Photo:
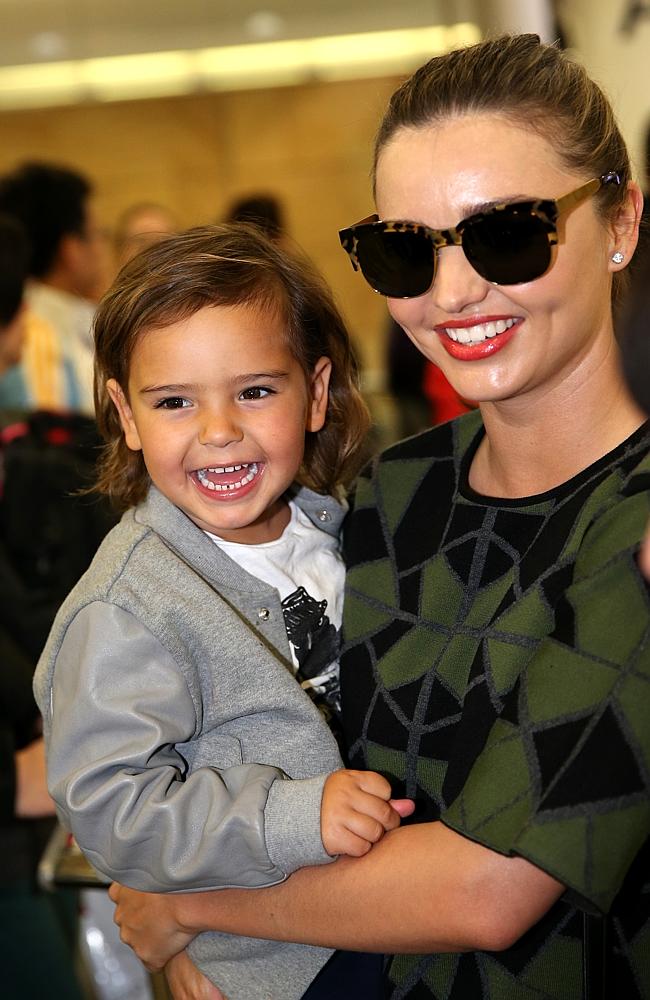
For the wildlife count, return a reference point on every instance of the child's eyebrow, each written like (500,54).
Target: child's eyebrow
(178,388)
(259,376)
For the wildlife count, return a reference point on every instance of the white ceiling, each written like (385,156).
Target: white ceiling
(47,30)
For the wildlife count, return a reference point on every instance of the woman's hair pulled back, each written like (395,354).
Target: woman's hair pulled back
(226,265)
(528,83)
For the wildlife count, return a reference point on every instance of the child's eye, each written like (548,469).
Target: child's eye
(172,403)
(255,392)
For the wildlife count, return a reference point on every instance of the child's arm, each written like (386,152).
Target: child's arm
(357,810)
(121,724)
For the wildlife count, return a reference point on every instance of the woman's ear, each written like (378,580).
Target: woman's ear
(319,386)
(624,230)
(125,414)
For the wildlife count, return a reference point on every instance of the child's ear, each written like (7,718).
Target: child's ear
(319,385)
(624,232)
(121,403)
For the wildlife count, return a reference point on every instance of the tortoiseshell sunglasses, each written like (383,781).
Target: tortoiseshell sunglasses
(507,244)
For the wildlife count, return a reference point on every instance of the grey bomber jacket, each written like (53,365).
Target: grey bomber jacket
(173,722)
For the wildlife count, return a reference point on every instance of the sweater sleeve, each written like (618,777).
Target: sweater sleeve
(122,722)
(563,777)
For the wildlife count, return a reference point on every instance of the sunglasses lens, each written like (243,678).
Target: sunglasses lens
(397,264)
(508,246)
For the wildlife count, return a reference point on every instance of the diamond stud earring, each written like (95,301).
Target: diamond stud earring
(618,257)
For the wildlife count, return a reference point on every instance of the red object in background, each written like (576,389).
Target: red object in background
(59,435)
(444,401)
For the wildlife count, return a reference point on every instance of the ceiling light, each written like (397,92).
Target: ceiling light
(232,67)
(48,45)
(264,25)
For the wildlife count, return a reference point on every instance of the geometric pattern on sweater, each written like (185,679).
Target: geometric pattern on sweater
(496,668)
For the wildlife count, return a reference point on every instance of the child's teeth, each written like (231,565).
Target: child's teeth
(202,476)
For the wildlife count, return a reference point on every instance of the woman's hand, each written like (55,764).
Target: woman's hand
(148,924)
(187,983)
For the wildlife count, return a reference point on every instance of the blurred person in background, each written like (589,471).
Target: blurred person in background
(263,210)
(140,226)
(47,429)
(35,924)
(67,268)
(14,256)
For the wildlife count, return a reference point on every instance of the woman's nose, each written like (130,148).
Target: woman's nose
(456,284)
(219,427)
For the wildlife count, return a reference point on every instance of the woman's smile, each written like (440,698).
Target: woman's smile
(473,339)
(496,343)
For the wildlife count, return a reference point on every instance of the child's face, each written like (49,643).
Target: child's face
(219,407)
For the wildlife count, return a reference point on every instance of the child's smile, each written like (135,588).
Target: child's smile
(229,479)
(219,407)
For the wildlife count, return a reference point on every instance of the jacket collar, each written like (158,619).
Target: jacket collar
(193,546)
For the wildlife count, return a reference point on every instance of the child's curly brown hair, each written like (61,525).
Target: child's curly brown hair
(226,265)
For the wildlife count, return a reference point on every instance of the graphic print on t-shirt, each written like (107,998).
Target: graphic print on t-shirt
(315,642)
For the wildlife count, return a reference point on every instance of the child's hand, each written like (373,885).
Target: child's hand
(357,810)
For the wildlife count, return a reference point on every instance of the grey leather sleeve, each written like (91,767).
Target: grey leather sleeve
(120,706)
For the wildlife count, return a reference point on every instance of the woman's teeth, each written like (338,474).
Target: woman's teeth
(482,331)
(203,476)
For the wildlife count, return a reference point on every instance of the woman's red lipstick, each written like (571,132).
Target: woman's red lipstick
(484,348)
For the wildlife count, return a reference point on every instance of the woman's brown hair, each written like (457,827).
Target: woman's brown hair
(534,85)
(227,265)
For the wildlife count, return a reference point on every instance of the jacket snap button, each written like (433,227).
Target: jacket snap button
(324,515)
(264,614)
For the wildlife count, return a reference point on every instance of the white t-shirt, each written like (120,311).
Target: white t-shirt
(306,568)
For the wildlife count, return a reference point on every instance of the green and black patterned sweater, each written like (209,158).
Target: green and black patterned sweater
(497,669)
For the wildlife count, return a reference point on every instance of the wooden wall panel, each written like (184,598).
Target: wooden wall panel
(311,145)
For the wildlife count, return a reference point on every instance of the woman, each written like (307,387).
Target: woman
(497,666)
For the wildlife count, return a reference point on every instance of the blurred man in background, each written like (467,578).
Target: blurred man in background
(66,266)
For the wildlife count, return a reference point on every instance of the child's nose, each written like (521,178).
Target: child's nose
(219,428)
